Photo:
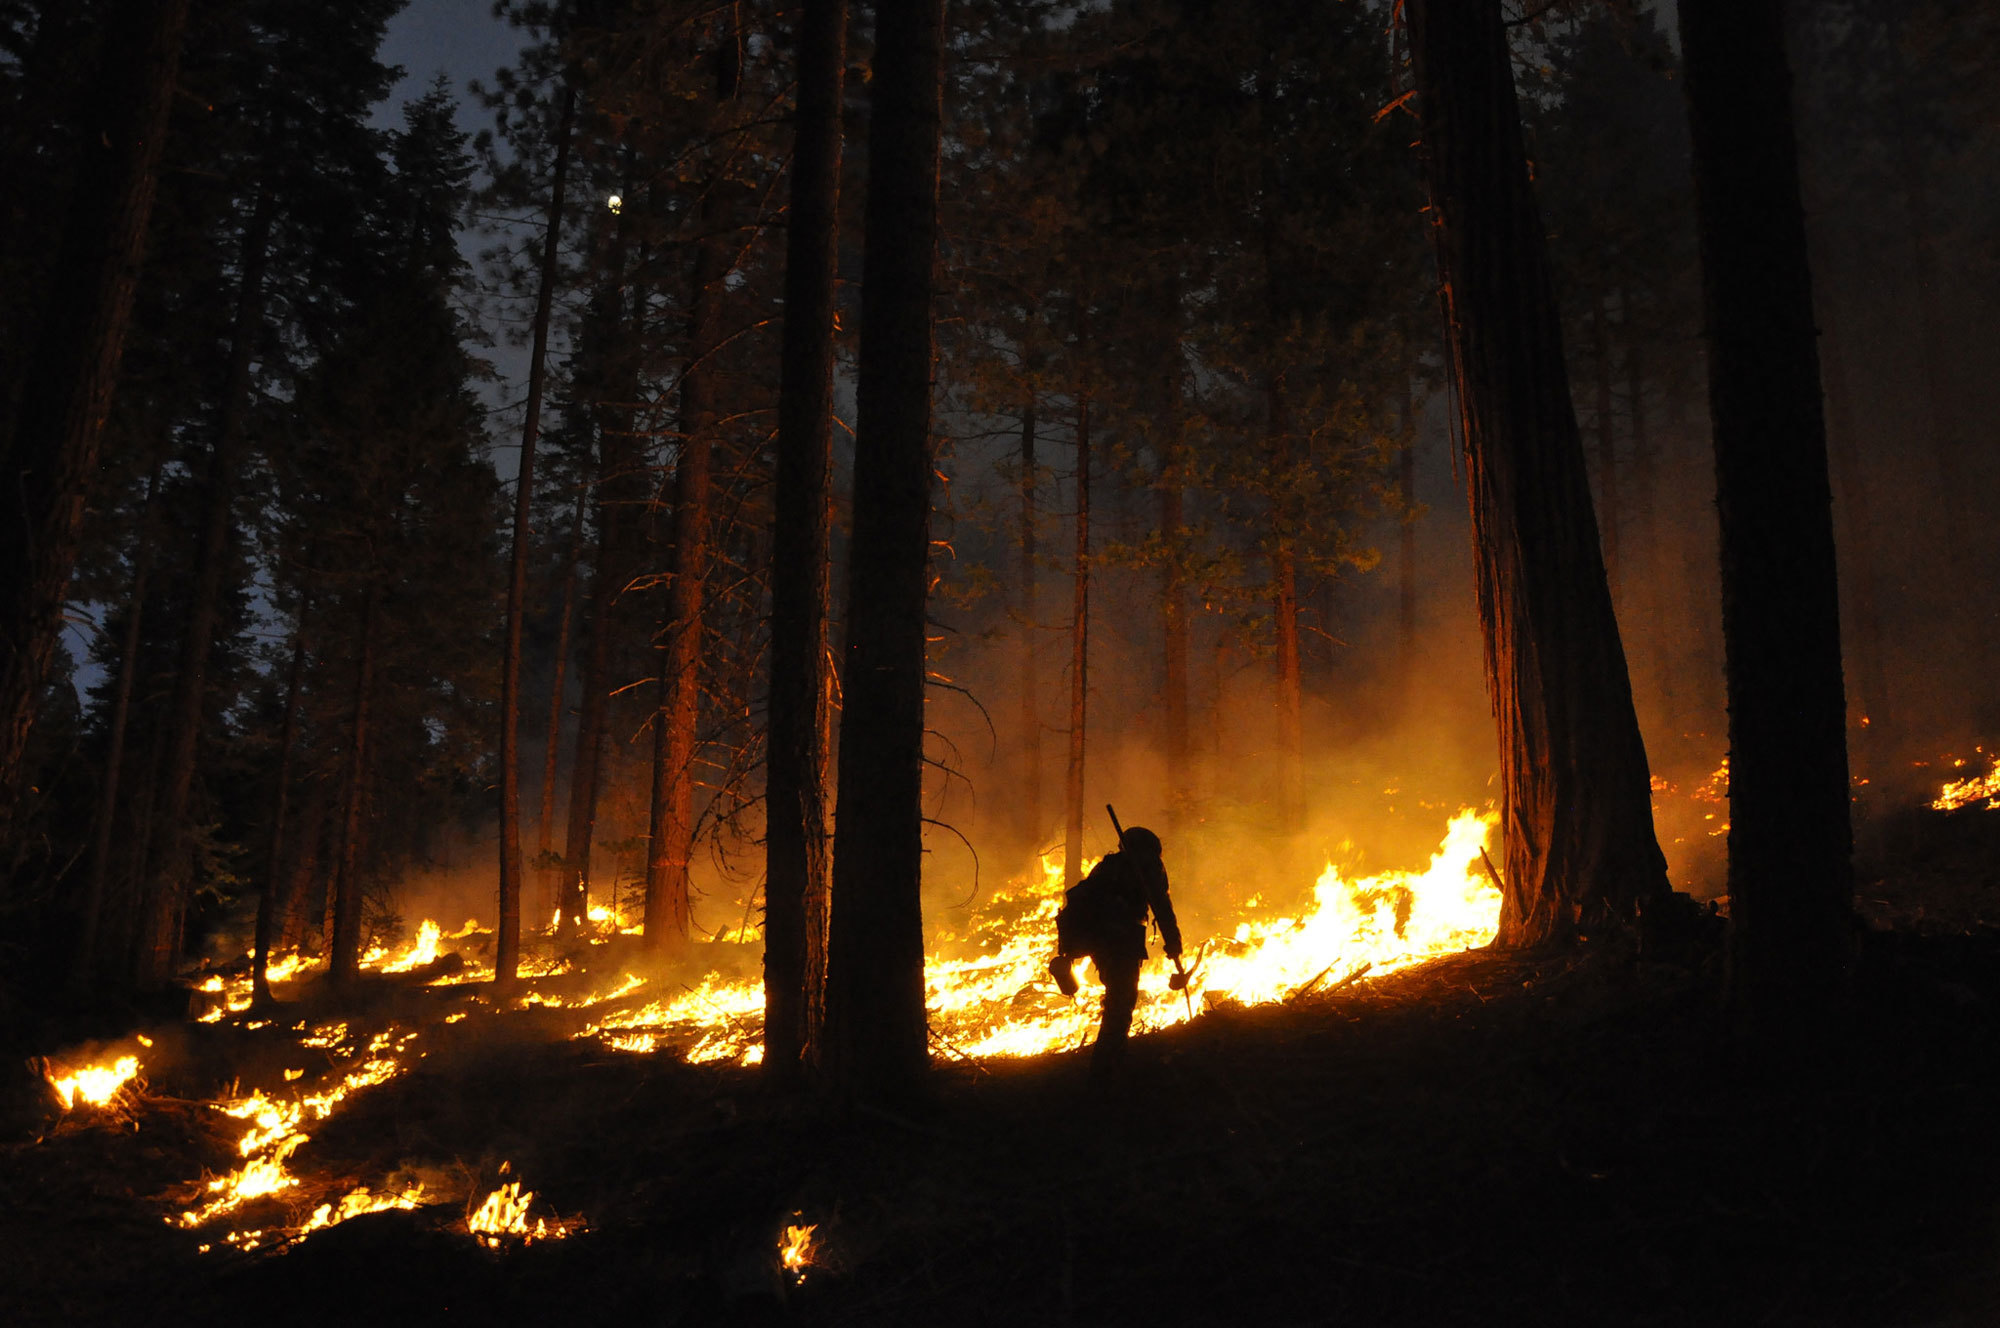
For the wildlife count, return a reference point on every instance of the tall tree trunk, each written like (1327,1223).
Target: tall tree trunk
(876,1035)
(345,961)
(1579,847)
(671,840)
(507,943)
(545,823)
(795,859)
(50,457)
(84,967)
(1607,443)
(1790,843)
(1079,655)
(573,899)
(268,902)
(1031,702)
(168,880)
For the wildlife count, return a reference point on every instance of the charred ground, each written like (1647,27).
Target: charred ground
(1488,1139)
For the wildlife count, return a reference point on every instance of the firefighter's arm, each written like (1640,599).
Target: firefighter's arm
(1163,910)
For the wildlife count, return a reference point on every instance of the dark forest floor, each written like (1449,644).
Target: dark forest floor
(1487,1140)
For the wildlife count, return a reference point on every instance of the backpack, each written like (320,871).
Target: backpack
(1097,908)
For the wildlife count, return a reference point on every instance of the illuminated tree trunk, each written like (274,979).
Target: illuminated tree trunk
(48,461)
(672,819)
(545,822)
(1790,870)
(1578,845)
(84,966)
(507,941)
(168,879)
(268,910)
(1031,702)
(589,757)
(1079,656)
(345,963)
(795,880)
(877,1039)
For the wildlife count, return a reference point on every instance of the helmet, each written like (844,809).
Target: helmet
(1138,839)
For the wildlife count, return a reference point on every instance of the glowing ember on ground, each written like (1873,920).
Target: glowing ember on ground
(1974,788)
(504,1216)
(796,1252)
(95,1085)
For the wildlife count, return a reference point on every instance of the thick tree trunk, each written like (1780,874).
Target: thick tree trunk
(1079,657)
(877,1039)
(672,821)
(1579,848)
(268,902)
(545,822)
(1790,844)
(84,966)
(345,956)
(507,941)
(795,862)
(1031,701)
(168,879)
(50,456)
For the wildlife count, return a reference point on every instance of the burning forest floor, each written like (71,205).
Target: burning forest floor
(1483,1139)
(1486,1139)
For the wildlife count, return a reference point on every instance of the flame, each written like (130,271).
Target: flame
(94,1085)
(423,950)
(357,1202)
(1964,792)
(504,1215)
(796,1252)
(277,1129)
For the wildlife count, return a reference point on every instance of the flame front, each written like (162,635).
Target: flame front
(94,1085)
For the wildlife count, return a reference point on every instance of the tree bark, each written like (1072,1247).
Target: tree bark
(507,941)
(671,823)
(50,457)
(877,1039)
(551,878)
(345,959)
(1578,842)
(268,910)
(1079,656)
(168,880)
(795,862)
(1790,843)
